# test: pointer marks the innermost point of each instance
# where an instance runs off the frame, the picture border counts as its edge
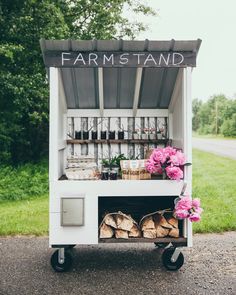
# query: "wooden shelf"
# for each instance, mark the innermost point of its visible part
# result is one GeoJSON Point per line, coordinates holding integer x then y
{"type": "Point", "coordinates": [116, 141]}
{"type": "Point", "coordinates": [180, 241]}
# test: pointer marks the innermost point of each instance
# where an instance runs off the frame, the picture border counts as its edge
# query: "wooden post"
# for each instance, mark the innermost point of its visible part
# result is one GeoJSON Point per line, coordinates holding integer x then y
{"type": "Point", "coordinates": [187, 127]}
{"type": "Point", "coordinates": [53, 129]}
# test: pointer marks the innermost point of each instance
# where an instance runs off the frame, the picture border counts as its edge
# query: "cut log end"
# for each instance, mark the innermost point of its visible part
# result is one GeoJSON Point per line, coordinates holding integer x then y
{"type": "Point", "coordinates": [173, 221]}
{"type": "Point", "coordinates": [109, 220]}
{"type": "Point", "coordinates": [123, 221]}
{"type": "Point", "coordinates": [121, 234]}
{"type": "Point", "coordinates": [148, 223]}
{"type": "Point", "coordinates": [106, 232]}
{"type": "Point", "coordinates": [161, 232]}
{"type": "Point", "coordinates": [174, 233]}
{"type": "Point", "coordinates": [160, 220]}
{"type": "Point", "coordinates": [135, 232]}
{"type": "Point", "coordinates": [150, 234]}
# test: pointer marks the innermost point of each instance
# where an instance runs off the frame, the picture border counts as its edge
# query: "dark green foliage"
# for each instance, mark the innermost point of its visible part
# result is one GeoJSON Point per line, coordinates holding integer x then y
{"type": "Point", "coordinates": [215, 116]}
{"type": "Point", "coordinates": [196, 105]}
{"type": "Point", "coordinates": [24, 182]}
{"type": "Point", "coordinates": [114, 161]}
{"type": "Point", "coordinates": [228, 128]}
{"type": "Point", "coordinates": [23, 85]}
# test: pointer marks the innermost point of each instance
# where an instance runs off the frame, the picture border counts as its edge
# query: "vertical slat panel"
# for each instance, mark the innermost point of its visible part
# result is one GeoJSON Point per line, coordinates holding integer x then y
{"type": "Point", "coordinates": [91, 151]}
{"type": "Point", "coordinates": [119, 128]}
{"type": "Point", "coordinates": [84, 147]}
{"type": "Point", "coordinates": [107, 150]}
{"type": "Point", "coordinates": [77, 127]}
{"type": "Point", "coordinates": [131, 123]}
{"type": "Point", "coordinates": [124, 126]}
{"type": "Point", "coordinates": [142, 124]}
{"type": "Point", "coordinates": [95, 128]}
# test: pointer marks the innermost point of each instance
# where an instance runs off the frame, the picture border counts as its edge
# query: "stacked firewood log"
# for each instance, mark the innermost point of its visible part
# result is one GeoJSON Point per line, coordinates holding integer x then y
{"type": "Point", "coordinates": [119, 225]}
{"type": "Point", "coordinates": [151, 226]}
{"type": "Point", "coordinates": [155, 225]}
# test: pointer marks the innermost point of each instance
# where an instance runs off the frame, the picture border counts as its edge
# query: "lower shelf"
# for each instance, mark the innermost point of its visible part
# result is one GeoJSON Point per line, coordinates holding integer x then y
{"type": "Point", "coordinates": [180, 241]}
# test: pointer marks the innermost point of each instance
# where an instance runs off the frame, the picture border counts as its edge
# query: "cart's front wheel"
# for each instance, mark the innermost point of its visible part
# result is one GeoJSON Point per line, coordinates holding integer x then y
{"type": "Point", "coordinates": [168, 263]}
{"type": "Point", "coordinates": [61, 267]}
{"type": "Point", "coordinates": [160, 245]}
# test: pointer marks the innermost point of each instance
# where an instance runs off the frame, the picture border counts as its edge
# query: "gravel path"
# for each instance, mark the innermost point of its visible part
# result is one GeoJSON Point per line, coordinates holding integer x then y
{"type": "Point", "coordinates": [210, 268]}
{"type": "Point", "coordinates": [225, 148]}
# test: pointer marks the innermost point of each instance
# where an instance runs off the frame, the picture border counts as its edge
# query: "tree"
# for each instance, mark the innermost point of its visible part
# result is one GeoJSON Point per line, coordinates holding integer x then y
{"type": "Point", "coordinates": [228, 128]}
{"type": "Point", "coordinates": [196, 106]}
{"type": "Point", "coordinates": [216, 115]}
{"type": "Point", "coordinates": [23, 87]}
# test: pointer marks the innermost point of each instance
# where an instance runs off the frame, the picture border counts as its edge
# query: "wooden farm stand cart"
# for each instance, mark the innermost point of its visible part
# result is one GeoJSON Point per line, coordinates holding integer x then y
{"type": "Point", "coordinates": [129, 84]}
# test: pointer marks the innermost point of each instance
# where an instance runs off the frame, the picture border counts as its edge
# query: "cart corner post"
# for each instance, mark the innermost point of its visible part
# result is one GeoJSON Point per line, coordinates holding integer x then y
{"type": "Point", "coordinates": [187, 127]}
{"type": "Point", "coordinates": [53, 117]}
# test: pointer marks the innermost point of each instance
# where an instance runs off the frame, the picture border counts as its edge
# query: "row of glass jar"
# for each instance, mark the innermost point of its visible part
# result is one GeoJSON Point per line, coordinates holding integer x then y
{"type": "Point", "coordinates": [109, 173]}
{"type": "Point", "coordinates": [86, 135]}
{"type": "Point", "coordinates": [95, 135]}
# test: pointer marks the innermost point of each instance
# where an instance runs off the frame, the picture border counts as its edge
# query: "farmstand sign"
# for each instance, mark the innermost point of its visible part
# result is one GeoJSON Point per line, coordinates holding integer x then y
{"type": "Point", "coordinates": [119, 59]}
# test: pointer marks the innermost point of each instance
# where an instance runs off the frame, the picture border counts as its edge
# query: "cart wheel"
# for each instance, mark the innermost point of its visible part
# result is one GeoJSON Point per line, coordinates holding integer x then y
{"type": "Point", "coordinates": [71, 246]}
{"type": "Point", "coordinates": [166, 259]}
{"type": "Point", "coordinates": [160, 245]}
{"type": "Point", "coordinates": [61, 267]}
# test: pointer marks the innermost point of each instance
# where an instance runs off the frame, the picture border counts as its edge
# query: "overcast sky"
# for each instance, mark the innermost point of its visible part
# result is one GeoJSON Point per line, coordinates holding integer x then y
{"type": "Point", "coordinates": [213, 21]}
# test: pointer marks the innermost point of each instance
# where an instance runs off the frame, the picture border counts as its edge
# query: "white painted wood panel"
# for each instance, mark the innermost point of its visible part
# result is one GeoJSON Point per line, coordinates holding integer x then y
{"type": "Point", "coordinates": [53, 129]}
{"type": "Point", "coordinates": [187, 140]}
{"type": "Point", "coordinates": [117, 113]}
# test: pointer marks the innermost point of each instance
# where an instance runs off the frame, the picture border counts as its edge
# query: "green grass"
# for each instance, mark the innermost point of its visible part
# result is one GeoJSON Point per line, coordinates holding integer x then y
{"type": "Point", "coordinates": [214, 182]}
{"type": "Point", "coordinates": [24, 217]}
{"type": "Point", "coordinates": [24, 199]}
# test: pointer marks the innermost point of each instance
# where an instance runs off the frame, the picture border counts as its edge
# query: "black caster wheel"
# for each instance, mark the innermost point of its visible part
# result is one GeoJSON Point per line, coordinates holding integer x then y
{"type": "Point", "coordinates": [70, 246]}
{"type": "Point", "coordinates": [160, 246]}
{"type": "Point", "coordinates": [166, 259]}
{"type": "Point", "coordinates": [61, 267]}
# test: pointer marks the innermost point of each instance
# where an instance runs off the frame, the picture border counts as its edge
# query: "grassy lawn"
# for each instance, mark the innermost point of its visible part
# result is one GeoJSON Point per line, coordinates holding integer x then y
{"type": "Point", "coordinates": [24, 217]}
{"type": "Point", "coordinates": [214, 181]}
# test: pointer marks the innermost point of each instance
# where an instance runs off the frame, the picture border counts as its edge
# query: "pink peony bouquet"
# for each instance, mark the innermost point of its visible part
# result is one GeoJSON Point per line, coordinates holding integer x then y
{"type": "Point", "coordinates": [188, 208]}
{"type": "Point", "coordinates": [167, 161]}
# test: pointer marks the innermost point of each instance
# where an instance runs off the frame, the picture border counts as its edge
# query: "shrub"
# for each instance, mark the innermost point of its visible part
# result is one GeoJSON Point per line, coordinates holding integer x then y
{"type": "Point", "coordinates": [228, 128]}
{"type": "Point", "coordinates": [23, 182]}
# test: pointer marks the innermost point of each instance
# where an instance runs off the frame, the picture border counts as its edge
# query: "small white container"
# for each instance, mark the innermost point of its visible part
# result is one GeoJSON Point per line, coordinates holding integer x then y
{"type": "Point", "coordinates": [135, 136]}
{"type": "Point", "coordinates": [144, 136]}
{"type": "Point", "coordinates": [152, 136]}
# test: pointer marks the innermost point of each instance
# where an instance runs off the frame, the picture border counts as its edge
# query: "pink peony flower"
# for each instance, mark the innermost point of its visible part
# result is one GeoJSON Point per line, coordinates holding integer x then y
{"type": "Point", "coordinates": [159, 169]}
{"type": "Point", "coordinates": [185, 208]}
{"type": "Point", "coordinates": [181, 214]}
{"type": "Point", "coordinates": [185, 203]}
{"type": "Point", "coordinates": [198, 210]}
{"type": "Point", "coordinates": [194, 217]}
{"type": "Point", "coordinates": [174, 173]}
{"type": "Point", "coordinates": [178, 159]}
{"type": "Point", "coordinates": [158, 156]}
{"type": "Point", "coordinates": [196, 202]}
{"type": "Point", "coordinates": [150, 166]}
{"type": "Point", "coordinates": [169, 151]}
